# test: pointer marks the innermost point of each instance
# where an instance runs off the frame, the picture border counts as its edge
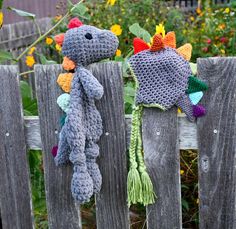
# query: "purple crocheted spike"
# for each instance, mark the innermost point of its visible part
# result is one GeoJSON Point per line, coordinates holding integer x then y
{"type": "Point", "coordinates": [198, 110]}
{"type": "Point", "coordinates": [54, 151]}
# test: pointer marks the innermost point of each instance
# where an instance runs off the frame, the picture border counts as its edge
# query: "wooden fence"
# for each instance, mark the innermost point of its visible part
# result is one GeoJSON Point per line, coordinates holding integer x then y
{"type": "Point", "coordinates": [164, 133]}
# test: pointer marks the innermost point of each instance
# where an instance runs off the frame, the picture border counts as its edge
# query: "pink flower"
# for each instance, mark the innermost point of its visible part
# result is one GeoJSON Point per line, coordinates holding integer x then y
{"type": "Point", "coordinates": [208, 41]}
{"type": "Point", "coordinates": [74, 23]}
{"type": "Point", "coordinates": [59, 38]}
{"type": "Point", "coordinates": [205, 49]}
{"type": "Point", "coordinates": [223, 39]}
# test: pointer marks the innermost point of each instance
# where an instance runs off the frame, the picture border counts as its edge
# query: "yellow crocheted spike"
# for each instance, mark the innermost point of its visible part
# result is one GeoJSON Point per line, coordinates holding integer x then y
{"type": "Point", "coordinates": [64, 81]}
{"type": "Point", "coordinates": [185, 51]}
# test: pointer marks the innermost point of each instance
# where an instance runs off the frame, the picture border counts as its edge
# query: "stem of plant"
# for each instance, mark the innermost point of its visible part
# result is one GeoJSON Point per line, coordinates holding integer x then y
{"type": "Point", "coordinates": [42, 37]}
{"type": "Point", "coordinates": [24, 73]}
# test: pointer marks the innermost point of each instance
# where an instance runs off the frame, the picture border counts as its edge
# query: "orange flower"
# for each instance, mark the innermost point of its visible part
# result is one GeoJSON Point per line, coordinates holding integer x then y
{"type": "Point", "coordinates": [30, 61]}
{"type": "Point", "coordinates": [68, 64]}
{"type": "Point", "coordinates": [198, 10]}
{"type": "Point", "coordinates": [59, 38]}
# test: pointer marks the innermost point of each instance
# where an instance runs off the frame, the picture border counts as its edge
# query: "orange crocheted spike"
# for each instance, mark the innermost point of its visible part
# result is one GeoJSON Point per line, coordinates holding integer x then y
{"type": "Point", "coordinates": [185, 51]}
{"type": "Point", "coordinates": [170, 40]}
{"type": "Point", "coordinates": [68, 64]}
{"type": "Point", "coordinates": [139, 45]}
{"type": "Point", "coordinates": [157, 43]}
{"type": "Point", "coordinates": [64, 81]}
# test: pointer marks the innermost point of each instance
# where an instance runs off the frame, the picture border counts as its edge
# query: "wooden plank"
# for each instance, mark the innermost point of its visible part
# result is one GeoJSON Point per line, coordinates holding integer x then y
{"type": "Point", "coordinates": [187, 132]}
{"type": "Point", "coordinates": [217, 140]}
{"type": "Point", "coordinates": [62, 210]}
{"type": "Point", "coordinates": [15, 199]}
{"type": "Point", "coordinates": [22, 34]}
{"type": "Point", "coordinates": [161, 153]}
{"type": "Point", "coordinates": [111, 205]}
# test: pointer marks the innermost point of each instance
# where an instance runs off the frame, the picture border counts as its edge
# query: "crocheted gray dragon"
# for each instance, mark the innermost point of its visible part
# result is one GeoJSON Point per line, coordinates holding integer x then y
{"type": "Point", "coordinates": [82, 126]}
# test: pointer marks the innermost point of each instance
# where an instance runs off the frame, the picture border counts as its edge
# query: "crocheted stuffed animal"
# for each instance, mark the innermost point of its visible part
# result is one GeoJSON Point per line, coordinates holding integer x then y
{"type": "Point", "coordinates": [82, 127]}
{"type": "Point", "coordinates": [163, 79]}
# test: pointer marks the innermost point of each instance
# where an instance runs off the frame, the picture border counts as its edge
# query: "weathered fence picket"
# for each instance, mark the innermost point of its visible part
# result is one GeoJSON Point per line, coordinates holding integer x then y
{"type": "Point", "coordinates": [217, 144]}
{"type": "Point", "coordinates": [15, 198]}
{"type": "Point", "coordinates": [62, 210]}
{"type": "Point", "coordinates": [164, 133]}
{"type": "Point", "coordinates": [162, 158]}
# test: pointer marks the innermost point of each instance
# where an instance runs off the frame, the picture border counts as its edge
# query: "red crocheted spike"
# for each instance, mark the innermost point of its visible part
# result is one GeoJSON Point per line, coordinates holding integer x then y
{"type": "Point", "coordinates": [139, 45]}
{"type": "Point", "coordinates": [158, 43]}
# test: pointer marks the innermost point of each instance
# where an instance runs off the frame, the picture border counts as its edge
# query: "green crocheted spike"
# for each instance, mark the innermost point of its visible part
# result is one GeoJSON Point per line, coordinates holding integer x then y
{"type": "Point", "coordinates": [195, 85]}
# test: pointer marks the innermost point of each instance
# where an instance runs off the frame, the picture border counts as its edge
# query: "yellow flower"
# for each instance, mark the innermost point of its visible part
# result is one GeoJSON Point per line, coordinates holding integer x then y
{"type": "Point", "coordinates": [118, 52]}
{"type": "Point", "coordinates": [1, 19]}
{"type": "Point", "coordinates": [111, 2]}
{"type": "Point", "coordinates": [58, 47]}
{"type": "Point", "coordinates": [30, 61]}
{"type": "Point", "coordinates": [160, 29]}
{"type": "Point", "coordinates": [198, 10]}
{"type": "Point", "coordinates": [181, 172]}
{"type": "Point", "coordinates": [222, 51]}
{"type": "Point", "coordinates": [192, 18]}
{"type": "Point", "coordinates": [31, 50]}
{"type": "Point", "coordinates": [116, 29]}
{"type": "Point", "coordinates": [49, 40]}
{"type": "Point", "coordinates": [58, 17]}
{"type": "Point", "coordinates": [227, 10]}
{"type": "Point", "coordinates": [197, 201]}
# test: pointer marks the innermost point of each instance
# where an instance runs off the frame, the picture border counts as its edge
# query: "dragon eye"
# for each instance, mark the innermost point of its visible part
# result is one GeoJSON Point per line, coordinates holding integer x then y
{"type": "Point", "coordinates": [88, 36]}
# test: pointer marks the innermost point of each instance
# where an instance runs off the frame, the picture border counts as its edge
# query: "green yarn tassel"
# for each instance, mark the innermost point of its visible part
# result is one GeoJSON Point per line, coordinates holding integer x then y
{"type": "Point", "coordinates": [148, 194]}
{"type": "Point", "coordinates": [147, 189]}
{"type": "Point", "coordinates": [134, 185]}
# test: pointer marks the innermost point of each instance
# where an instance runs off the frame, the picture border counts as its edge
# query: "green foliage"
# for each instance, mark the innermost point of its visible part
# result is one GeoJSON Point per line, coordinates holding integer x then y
{"type": "Point", "coordinates": [29, 103]}
{"type": "Point", "coordinates": [5, 55]}
{"type": "Point", "coordinates": [22, 13]}
{"type": "Point", "coordinates": [37, 188]}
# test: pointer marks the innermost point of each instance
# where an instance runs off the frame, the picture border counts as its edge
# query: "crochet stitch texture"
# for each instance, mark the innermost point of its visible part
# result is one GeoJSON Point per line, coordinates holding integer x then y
{"type": "Point", "coordinates": [83, 124]}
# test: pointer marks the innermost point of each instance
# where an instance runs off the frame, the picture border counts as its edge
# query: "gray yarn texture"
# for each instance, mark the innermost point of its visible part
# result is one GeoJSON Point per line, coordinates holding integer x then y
{"type": "Point", "coordinates": [83, 125]}
{"type": "Point", "coordinates": [162, 78]}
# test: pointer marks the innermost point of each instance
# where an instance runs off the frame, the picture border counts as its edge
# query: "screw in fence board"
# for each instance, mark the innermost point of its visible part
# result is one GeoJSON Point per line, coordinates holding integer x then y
{"type": "Point", "coordinates": [15, 199]}
{"type": "Point", "coordinates": [216, 141]}
{"type": "Point", "coordinates": [161, 153]}
{"type": "Point", "coordinates": [63, 213]}
{"type": "Point", "coordinates": [111, 206]}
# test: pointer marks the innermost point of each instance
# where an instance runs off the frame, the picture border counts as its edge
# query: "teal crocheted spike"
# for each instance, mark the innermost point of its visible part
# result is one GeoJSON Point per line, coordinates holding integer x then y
{"type": "Point", "coordinates": [62, 120]}
{"type": "Point", "coordinates": [195, 85]}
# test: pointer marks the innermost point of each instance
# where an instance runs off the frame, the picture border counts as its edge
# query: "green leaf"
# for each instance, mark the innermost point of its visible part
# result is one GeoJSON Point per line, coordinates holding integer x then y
{"type": "Point", "coordinates": [44, 60]}
{"type": "Point", "coordinates": [138, 31]}
{"type": "Point", "coordinates": [4, 55]}
{"type": "Point", "coordinates": [78, 9]}
{"type": "Point", "coordinates": [185, 204]}
{"type": "Point", "coordinates": [22, 13]}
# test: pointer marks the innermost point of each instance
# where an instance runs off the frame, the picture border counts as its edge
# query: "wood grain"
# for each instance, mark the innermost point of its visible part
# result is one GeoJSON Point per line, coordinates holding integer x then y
{"type": "Point", "coordinates": [15, 199]}
{"type": "Point", "coordinates": [62, 210]}
{"type": "Point", "coordinates": [217, 140]}
{"type": "Point", "coordinates": [161, 153]}
{"type": "Point", "coordinates": [111, 205]}
{"type": "Point", "coordinates": [187, 132]}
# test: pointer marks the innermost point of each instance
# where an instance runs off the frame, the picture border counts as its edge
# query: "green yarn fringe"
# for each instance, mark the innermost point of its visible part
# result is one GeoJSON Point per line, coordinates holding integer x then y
{"type": "Point", "coordinates": [139, 185]}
